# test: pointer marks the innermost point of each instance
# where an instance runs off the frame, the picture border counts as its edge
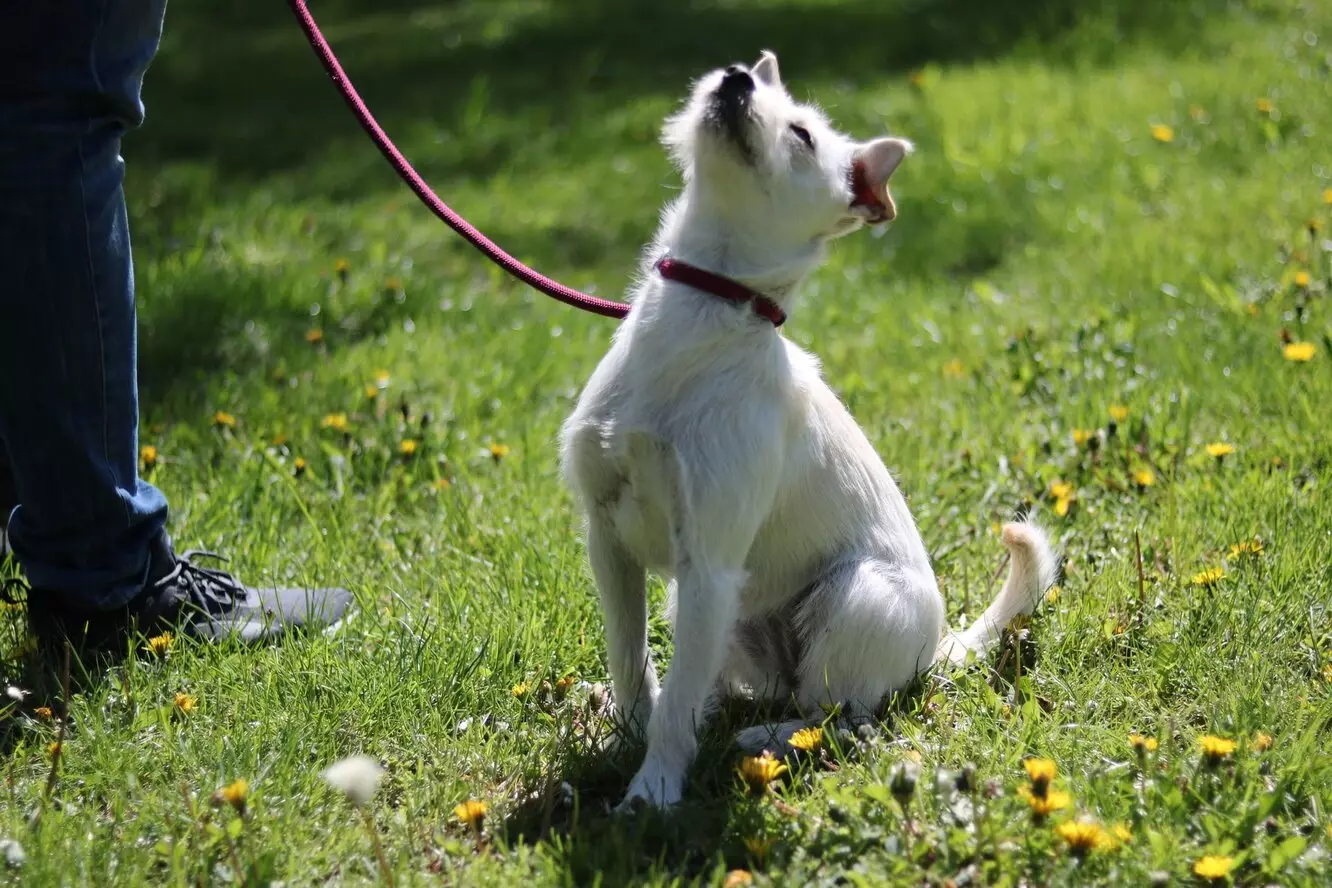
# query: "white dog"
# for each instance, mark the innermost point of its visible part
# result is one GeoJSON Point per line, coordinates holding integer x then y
{"type": "Point", "coordinates": [707, 447]}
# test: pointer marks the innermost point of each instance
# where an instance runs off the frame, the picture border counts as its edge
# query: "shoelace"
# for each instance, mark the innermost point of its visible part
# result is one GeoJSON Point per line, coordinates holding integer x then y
{"type": "Point", "coordinates": [211, 589]}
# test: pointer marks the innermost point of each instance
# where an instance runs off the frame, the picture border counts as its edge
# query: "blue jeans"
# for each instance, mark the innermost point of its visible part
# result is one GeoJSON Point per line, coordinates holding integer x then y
{"type": "Point", "coordinates": [70, 75]}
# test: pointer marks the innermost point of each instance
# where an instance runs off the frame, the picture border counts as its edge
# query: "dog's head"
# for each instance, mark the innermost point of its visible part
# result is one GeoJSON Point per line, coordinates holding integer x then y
{"type": "Point", "coordinates": [769, 163]}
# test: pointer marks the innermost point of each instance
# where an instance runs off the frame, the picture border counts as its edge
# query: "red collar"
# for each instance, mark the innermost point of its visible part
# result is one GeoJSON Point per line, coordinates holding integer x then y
{"type": "Point", "coordinates": [721, 287]}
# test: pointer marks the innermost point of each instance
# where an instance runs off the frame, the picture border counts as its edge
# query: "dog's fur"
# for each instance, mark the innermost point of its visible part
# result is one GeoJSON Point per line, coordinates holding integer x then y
{"type": "Point", "coordinates": [708, 448]}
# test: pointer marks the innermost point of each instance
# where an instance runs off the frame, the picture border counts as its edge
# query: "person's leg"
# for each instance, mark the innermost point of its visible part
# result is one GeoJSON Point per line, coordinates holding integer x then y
{"type": "Point", "coordinates": [70, 74]}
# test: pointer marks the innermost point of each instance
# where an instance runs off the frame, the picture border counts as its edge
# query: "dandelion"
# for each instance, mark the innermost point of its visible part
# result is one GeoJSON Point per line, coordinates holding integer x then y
{"type": "Point", "coordinates": [158, 645]}
{"type": "Point", "coordinates": [1163, 133]}
{"type": "Point", "coordinates": [1209, 578]}
{"type": "Point", "coordinates": [807, 739]}
{"type": "Point", "coordinates": [1327, 196]}
{"type": "Point", "coordinates": [1219, 450]}
{"type": "Point", "coordinates": [1082, 436]}
{"type": "Point", "coordinates": [1215, 749]}
{"type": "Point", "coordinates": [1314, 226]}
{"type": "Point", "coordinates": [442, 484]}
{"type": "Point", "coordinates": [335, 421]}
{"type": "Point", "coordinates": [1247, 548]}
{"type": "Point", "coordinates": [1142, 744]}
{"type": "Point", "coordinates": [1043, 806]}
{"type": "Point", "coordinates": [1264, 105]}
{"type": "Point", "coordinates": [1119, 412]}
{"type": "Point", "coordinates": [1261, 742]}
{"type": "Point", "coordinates": [1299, 352]}
{"type": "Point", "coordinates": [222, 419]}
{"type": "Point", "coordinates": [521, 690]}
{"type": "Point", "coordinates": [148, 456]}
{"type": "Point", "coordinates": [1052, 594]}
{"type": "Point", "coordinates": [471, 813]}
{"type": "Point", "coordinates": [1122, 834]}
{"type": "Point", "coordinates": [737, 877]}
{"type": "Point", "coordinates": [1144, 477]}
{"type": "Point", "coordinates": [342, 267]}
{"type": "Point", "coordinates": [407, 447]}
{"type": "Point", "coordinates": [357, 777]}
{"type": "Point", "coordinates": [298, 466]}
{"type": "Point", "coordinates": [382, 378]}
{"type": "Point", "coordinates": [1213, 867]}
{"type": "Point", "coordinates": [902, 781]}
{"type": "Point", "coordinates": [1301, 279]}
{"type": "Point", "coordinates": [1083, 837]}
{"type": "Point", "coordinates": [393, 283]}
{"type": "Point", "coordinates": [1060, 489]}
{"type": "Point", "coordinates": [371, 392]}
{"type": "Point", "coordinates": [53, 750]}
{"type": "Point", "coordinates": [1327, 673]}
{"type": "Point", "coordinates": [185, 703]}
{"type": "Point", "coordinates": [499, 451]}
{"type": "Point", "coordinates": [314, 335]}
{"type": "Point", "coordinates": [43, 713]}
{"type": "Point", "coordinates": [758, 847]}
{"type": "Point", "coordinates": [759, 771]}
{"type": "Point", "coordinates": [1042, 772]}
{"type": "Point", "coordinates": [235, 794]}
{"type": "Point", "coordinates": [954, 369]}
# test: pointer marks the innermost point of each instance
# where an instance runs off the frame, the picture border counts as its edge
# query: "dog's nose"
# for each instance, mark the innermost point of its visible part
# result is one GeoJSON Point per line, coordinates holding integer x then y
{"type": "Point", "coordinates": [736, 81]}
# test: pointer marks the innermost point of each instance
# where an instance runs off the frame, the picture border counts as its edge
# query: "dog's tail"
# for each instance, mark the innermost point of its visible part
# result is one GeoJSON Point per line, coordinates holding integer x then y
{"type": "Point", "coordinates": [1032, 570]}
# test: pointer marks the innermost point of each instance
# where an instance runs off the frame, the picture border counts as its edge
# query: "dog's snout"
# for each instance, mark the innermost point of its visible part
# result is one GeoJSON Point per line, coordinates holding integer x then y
{"type": "Point", "coordinates": [736, 81]}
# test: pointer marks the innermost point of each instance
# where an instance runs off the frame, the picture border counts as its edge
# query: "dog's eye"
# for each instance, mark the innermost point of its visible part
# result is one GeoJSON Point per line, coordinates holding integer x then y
{"type": "Point", "coordinates": [803, 135]}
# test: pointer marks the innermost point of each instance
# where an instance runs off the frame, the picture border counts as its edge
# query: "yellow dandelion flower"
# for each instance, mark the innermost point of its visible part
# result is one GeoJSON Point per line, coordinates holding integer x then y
{"type": "Point", "coordinates": [314, 335]}
{"type": "Point", "coordinates": [1144, 477]}
{"type": "Point", "coordinates": [1043, 806]}
{"type": "Point", "coordinates": [1142, 744]}
{"type": "Point", "coordinates": [1213, 867]}
{"type": "Point", "coordinates": [298, 466]}
{"type": "Point", "coordinates": [1214, 748]}
{"type": "Point", "coordinates": [1301, 278]}
{"type": "Point", "coordinates": [1083, 836]}
{"type": "Point", "coordinates": [1119, 412]}
{"type": "Point", "coordinates": [442, 484]}
{"type": "Point", "coordinates": [1062, 505]}
{"type": "Point", "coordinates": [53, 750]}
{"type": "Point", "coordinates": [43, 713]}
{"type": "Point", "coordinates": [1247, 548]}
{"type": "Point", "coordinates": [342, 266]}
{"type": "Point", "coordinates": [759, 771]}
{"type": "Point", "coordinates": [335, 421]}
{"type": "Point", "coordinates": [1163, 133]}
{"type": "Point", "coordinates": [381, 378]}
{"type": "Point", "coordinates": [160, 644]}
{"type": "Point", "coordinates": [148, 456]}
{"type": "Point", "coordinates": [1219, 450]}
{"type": "Point", "coordinates": [1327, 673]}
{"type": "Point", "coordinates": [1052, 594]}
{"type": "Point", "coordinates": [393, 283]}
{"type": "Point", "coordinates": [1061, 489]}
{"type": "Point", "coordinates": [520, 690]}
{"type": "Point", "coordinates": [1122, 834]}
{"type": "Point", "coordinates": [407, 447]}
{"type": "Point", "coordinates": [759, 847]}
{"type": "Point", "coordinates": [1264, 105]}
{"type": "Point", "coordinates": [235, 793]}
{"type": "Point", "coordinates": [279, 439]}
{"type": "Point", "coordinates": [1261, 742]}
{"type": "Point", "coordinates": [954, 369]}
{"type": "Point", "coordinates": [1082, 436]}
{"type": "Point", "coordinates": [185, 703]}
{"type": "Point", "coordinates": [1314, 225]}
{"type": "Point", "coordinates": [1327, 196]}
{"type": "Point", "coordinates": [1042, 772]}
{"type": "Point", "coordinates": [499, 451]}
{"type": "Point", "coordinates": [223, 419]}
{"type": "Point", "coordinates": [807, 739]}
{"type": "Point", "coordinates": [1210, 577]}
{"type": "Point", "coordinates": [371, 392]}
{"type": "Point", "coordinates": [1299, 352]}
{"type": "Point", "coordinates": [737, 877]}
{"type": "Point", "coordinates": [563, 685]}
{"type": "Point", "coordinates": [471, 813]}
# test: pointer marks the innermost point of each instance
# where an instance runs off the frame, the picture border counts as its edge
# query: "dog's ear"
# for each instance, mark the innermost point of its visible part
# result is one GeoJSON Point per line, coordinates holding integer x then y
{"type": "Point", "coordinates": [871, 167]}
{"type": "Point", "coordinates": [765, 69]}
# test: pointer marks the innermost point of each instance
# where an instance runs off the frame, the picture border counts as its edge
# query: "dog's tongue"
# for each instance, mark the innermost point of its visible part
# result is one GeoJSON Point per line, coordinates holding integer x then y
{"type": "Point", "coordinates": [864, 195]}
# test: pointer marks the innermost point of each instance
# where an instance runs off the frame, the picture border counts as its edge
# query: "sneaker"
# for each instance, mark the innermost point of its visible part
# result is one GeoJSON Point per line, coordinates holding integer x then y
{"type": "Point", "coordinates": [186, 597]}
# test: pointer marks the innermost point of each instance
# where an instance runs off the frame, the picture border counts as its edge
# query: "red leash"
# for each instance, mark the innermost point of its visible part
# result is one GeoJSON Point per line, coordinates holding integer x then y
{"type": "Point", "coordinates": [489, 248]}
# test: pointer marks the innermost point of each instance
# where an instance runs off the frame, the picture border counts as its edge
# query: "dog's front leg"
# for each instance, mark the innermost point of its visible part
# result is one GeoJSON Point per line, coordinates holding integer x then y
{"type": "Point", "coordinates": [620, 585]}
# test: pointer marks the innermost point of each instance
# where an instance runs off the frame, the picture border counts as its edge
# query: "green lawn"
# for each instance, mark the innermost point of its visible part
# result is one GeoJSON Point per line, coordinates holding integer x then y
{"type": "Point", "coordinates": [1114, 203]}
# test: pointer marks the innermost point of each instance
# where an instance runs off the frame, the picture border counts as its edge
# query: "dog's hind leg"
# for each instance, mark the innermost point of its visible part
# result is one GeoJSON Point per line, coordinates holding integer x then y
{"type": "Point", "coordinates": [867, 628]}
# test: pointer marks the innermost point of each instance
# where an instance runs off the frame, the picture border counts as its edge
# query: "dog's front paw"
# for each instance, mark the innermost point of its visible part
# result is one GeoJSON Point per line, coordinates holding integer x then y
{"type": "Point", "coordinates": [654, 786]}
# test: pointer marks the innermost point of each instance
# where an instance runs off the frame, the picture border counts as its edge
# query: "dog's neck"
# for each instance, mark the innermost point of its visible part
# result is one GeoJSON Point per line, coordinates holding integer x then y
{"type": "Point", "coordinates": [695, 234]}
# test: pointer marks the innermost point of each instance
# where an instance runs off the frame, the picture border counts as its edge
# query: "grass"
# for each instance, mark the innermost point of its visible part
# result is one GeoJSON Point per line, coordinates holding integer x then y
{"type": "Point", "coordinates": [1114, 204]}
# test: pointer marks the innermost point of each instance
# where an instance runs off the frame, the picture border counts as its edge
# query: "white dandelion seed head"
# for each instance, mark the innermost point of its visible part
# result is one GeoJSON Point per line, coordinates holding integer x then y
{"type": "Point", "coordinates": [356, 776]}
